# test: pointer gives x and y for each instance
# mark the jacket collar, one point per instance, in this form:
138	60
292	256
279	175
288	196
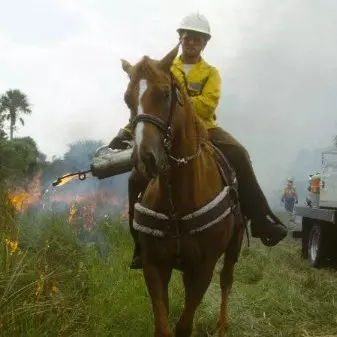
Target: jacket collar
179	63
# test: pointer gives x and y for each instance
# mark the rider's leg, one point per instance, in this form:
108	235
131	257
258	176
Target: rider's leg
254	205
135	186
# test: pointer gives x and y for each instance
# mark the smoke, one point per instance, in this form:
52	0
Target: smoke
279	91
277	59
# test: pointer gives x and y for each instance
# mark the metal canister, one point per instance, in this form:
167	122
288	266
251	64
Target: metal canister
107	162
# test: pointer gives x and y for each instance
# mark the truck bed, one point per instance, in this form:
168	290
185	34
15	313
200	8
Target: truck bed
328	215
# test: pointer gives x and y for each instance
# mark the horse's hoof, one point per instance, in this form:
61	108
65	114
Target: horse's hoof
222	330
183	333
136	263
222	334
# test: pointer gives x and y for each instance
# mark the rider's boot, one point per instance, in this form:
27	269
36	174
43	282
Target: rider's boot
254	205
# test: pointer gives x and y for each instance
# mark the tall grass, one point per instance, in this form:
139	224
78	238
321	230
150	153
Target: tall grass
57	283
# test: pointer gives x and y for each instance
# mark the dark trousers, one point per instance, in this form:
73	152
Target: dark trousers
253	202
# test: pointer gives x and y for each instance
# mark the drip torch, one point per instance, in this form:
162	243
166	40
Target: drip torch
105	163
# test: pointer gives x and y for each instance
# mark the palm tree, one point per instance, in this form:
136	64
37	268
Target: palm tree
12	104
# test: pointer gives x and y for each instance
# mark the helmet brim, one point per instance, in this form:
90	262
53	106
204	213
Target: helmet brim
206	35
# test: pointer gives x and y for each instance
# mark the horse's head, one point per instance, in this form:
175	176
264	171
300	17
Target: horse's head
151	97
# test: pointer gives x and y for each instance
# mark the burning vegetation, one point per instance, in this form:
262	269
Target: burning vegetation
21	198
83	196
85	204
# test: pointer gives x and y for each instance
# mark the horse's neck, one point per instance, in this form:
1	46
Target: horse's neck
189	185
198	181
187	138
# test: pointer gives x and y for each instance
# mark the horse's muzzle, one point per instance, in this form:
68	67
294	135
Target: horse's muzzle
151	164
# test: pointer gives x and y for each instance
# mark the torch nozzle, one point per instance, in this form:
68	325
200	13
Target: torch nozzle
56	182
64	179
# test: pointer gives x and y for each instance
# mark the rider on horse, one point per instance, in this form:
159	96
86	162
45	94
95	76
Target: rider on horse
202	83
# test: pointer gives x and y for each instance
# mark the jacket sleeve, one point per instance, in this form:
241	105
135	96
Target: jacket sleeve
206	103
127	128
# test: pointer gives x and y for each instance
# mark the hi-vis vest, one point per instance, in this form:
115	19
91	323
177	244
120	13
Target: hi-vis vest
202	84
315	184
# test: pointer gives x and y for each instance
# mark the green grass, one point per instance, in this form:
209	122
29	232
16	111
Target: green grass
59	285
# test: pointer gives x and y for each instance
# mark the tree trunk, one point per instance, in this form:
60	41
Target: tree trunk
11	124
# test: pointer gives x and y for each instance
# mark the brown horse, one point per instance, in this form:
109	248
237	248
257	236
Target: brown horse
188	215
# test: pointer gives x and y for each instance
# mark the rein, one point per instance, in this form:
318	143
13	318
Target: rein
166	128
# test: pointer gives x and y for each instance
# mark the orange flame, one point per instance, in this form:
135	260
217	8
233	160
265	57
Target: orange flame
82	206
125	213
72	213
65	180
21	198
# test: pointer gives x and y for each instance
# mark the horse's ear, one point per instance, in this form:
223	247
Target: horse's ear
166	62
126	66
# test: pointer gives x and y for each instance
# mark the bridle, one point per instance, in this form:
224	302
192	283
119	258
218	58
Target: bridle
166	128
167	131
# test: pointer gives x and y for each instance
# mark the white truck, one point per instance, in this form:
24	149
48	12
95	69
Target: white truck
318	231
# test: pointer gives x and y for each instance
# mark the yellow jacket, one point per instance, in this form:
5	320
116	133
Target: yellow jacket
202	83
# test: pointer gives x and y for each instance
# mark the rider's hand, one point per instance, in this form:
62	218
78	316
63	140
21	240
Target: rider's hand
121	141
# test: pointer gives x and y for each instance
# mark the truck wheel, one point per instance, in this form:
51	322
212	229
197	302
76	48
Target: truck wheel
316	251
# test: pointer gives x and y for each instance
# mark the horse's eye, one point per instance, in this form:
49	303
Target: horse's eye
127	98
166	94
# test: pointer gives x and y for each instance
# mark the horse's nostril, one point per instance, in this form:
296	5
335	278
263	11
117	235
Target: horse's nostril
151	160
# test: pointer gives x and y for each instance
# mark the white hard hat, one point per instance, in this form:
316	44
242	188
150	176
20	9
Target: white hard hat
197	23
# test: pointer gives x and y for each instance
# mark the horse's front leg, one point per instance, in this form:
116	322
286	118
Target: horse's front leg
157	278
226	281
196	282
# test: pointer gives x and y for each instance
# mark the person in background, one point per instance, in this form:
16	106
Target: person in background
289	199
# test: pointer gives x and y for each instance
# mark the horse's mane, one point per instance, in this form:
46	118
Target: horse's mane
201	130
148	68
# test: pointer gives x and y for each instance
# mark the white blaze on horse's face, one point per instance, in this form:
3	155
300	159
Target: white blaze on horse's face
140	111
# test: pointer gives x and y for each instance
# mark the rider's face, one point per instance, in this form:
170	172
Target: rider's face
192	43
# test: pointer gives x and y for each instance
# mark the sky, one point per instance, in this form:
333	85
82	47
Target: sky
277	59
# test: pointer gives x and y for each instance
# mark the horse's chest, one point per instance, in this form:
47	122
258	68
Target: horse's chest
162	225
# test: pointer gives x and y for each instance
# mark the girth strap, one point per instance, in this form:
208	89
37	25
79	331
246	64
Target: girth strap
160	225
